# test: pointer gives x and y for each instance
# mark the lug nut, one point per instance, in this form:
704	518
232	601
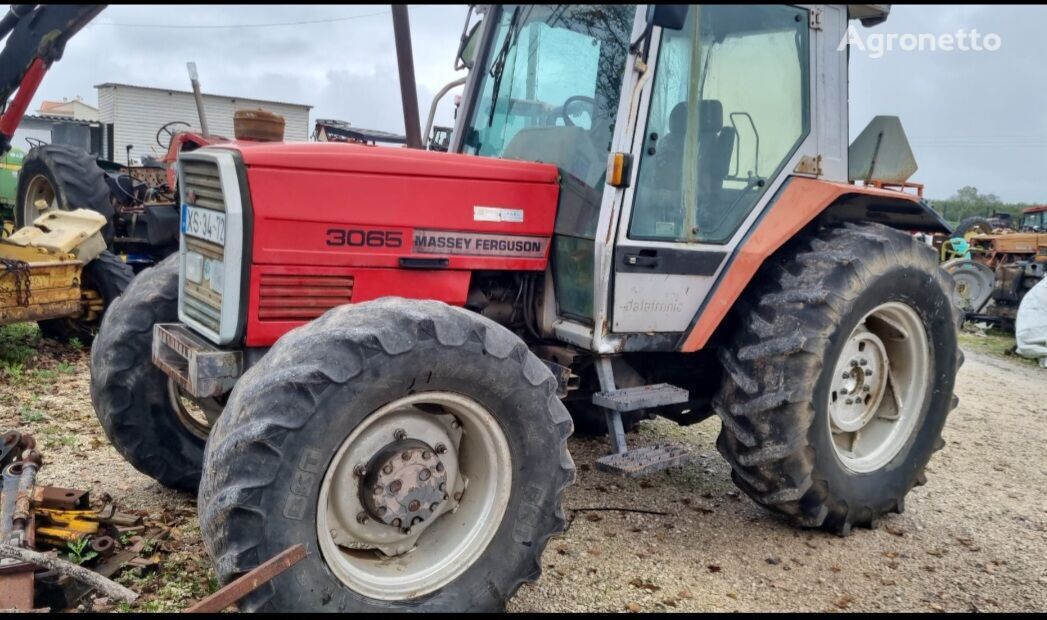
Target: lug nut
399	434
433	507
867	388
845	375
442	487
388	469
395	486
414	506
416	520
396	522
854	362
455	423
844	391
864	361
440	448
406	456
361	517
382	510
850	401
424	475
426	454
458	496
439	467
359	471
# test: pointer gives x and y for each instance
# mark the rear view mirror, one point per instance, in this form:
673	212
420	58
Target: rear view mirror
668	16
467	47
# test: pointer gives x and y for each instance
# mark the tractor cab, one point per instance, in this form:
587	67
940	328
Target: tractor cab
672	130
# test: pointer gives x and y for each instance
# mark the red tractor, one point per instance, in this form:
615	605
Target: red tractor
376	353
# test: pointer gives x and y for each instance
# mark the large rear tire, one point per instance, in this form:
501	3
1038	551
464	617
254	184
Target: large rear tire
813	427
66	178
305	434
160	433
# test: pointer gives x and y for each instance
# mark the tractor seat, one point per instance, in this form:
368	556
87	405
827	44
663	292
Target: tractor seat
569	148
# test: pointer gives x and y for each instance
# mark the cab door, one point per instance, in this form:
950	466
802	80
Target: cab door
726	111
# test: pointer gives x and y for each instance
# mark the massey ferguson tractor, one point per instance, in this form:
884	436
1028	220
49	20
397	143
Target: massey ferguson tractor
376	352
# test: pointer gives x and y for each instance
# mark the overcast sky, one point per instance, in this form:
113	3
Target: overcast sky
974	118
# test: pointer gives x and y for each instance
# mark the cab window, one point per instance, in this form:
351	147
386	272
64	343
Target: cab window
729	106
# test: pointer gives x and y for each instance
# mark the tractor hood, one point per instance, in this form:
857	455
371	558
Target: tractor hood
380	221
357	158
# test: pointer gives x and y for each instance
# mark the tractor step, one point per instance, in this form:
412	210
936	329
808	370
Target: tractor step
646	460
642	397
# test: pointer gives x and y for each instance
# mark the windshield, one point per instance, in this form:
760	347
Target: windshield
1033	220
550	86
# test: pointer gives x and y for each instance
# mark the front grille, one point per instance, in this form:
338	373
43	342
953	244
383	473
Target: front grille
286	297
203	188
201	178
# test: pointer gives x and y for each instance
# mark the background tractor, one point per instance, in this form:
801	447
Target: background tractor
642	211
55	269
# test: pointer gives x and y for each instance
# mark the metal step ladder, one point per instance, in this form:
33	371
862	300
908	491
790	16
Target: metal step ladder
647	459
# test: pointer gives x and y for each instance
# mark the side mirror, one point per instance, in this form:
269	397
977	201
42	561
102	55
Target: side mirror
668	16
467	49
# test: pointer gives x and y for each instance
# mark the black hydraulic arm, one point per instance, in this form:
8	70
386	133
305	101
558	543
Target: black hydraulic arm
34	37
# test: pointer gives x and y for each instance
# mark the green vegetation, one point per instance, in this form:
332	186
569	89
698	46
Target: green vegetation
994	342
80	551
17	344
968	202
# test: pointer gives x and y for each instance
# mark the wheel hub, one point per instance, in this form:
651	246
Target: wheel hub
405	483
878	387
860	381
414	495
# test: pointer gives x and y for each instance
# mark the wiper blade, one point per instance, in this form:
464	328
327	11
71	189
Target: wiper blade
498	65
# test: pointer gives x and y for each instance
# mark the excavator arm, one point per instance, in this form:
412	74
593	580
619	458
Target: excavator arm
34	37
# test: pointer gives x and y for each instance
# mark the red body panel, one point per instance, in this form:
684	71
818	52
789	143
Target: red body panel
357	211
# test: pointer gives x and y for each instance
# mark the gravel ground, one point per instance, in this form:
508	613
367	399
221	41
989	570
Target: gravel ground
973	539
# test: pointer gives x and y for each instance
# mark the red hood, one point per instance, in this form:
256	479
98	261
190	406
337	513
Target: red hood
342	157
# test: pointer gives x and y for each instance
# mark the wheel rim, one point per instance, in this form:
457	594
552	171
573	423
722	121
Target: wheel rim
878	387
39	188
460	444
196	415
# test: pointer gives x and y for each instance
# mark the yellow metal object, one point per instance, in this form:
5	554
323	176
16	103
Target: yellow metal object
65	232
41	267
58	527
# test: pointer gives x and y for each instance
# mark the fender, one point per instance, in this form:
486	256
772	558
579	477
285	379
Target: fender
800	203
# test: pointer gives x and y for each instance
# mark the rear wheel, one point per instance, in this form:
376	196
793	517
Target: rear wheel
65	178
971	226
840	377
418	452
157	428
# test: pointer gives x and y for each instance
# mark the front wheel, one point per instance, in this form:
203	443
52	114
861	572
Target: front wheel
840	377
418	452
157	428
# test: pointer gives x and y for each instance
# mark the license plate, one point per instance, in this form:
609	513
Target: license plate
203	224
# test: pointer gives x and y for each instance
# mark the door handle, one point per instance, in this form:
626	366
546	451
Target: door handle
638	260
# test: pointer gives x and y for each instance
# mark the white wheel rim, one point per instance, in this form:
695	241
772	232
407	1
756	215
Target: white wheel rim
878	387
38	188
384	562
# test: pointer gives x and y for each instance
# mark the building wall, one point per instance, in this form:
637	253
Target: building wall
137	113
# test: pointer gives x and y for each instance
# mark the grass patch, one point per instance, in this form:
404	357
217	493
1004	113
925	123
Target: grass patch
30	415
17	344
996	343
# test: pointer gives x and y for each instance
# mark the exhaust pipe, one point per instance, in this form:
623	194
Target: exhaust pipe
405	66
194	79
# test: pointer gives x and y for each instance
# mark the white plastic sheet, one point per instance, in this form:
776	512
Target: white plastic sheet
1030	327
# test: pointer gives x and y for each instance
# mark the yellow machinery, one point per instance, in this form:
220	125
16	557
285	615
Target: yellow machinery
41	268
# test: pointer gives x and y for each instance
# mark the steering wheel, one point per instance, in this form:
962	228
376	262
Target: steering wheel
578	98
168	130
